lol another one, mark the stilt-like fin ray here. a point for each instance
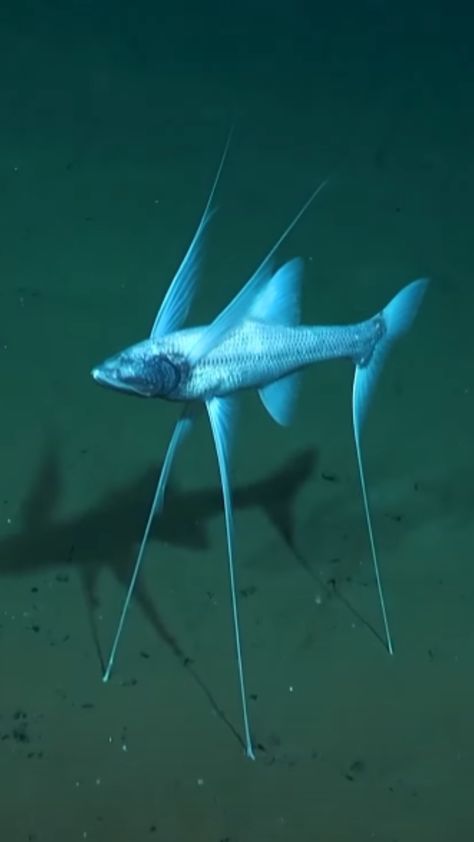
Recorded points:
(181, 429)
(397, 317)
(221, 414)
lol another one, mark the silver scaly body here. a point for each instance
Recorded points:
(251, 356)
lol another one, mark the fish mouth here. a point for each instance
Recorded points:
(100, 375)
(109, 378)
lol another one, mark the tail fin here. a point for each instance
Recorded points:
(398, 317)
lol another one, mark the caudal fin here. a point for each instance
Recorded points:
(398, 317)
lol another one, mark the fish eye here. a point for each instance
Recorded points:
(155, 376)
(165, 372)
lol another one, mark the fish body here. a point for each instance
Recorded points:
(251, 356)
(256, 342)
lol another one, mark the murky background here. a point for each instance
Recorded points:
(113, 120)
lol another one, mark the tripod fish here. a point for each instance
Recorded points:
(257, 342)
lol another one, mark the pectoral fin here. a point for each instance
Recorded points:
(177, 301)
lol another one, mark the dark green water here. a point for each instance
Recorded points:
(113, 120)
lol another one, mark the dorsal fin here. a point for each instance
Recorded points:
(279, 301)
(240, 307)
(235, 313)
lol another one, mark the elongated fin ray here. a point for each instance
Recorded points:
(181, 429)
(230, 317)
(241, 305)
(221, 416)
(398, 317)
(373, 549)
(178, 299)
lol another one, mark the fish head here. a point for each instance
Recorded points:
(144, 370)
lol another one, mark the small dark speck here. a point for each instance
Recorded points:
(245, 592)
(20, 735)
(144, 654)
(416, 486)
(396, 518)
(19, 714)
(398, 210)
(34, 589)
(87, 705)
(63, 639)
(430, 654)
(254, 697)
(356, 768)
(62, 577)
(35, 629)
(130, 682)
(224, 839)
(152, 828)
(329, 477)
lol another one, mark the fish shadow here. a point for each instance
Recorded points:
(106, 535)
